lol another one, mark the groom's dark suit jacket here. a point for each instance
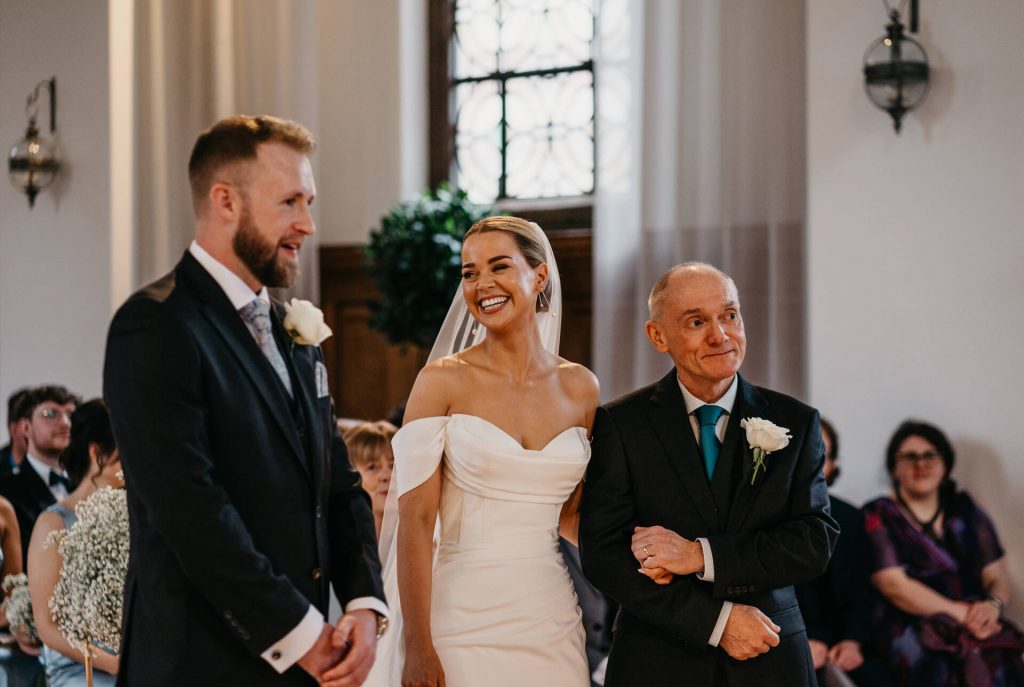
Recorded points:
(646, 469)
(242, 504)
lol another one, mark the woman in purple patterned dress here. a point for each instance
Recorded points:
(939, 567)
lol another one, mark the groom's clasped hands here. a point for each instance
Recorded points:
(342, 655)
(662, 554)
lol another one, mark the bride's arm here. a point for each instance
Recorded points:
(582, 386)
(417, 517)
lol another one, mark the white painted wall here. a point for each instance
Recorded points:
(915, 250)
(55, 260)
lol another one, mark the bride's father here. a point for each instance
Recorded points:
(696, 540)
(243, 507)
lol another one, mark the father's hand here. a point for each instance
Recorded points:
(322, 655)
(748, 633)
(356, 634)
(657, 547)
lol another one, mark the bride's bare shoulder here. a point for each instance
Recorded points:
(435, 388)
(579, 382)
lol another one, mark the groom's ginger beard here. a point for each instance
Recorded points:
(261, 256)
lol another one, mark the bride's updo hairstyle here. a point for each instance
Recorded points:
(527, 240)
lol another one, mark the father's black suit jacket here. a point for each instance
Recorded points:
(242, 504)
(646, 469)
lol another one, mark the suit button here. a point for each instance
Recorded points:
(319, 512)
(275, 655)
(317, 573)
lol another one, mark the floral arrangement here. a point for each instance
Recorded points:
(18, 605)
(86, 603)
(764, 437)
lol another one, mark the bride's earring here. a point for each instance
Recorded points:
(543, 304)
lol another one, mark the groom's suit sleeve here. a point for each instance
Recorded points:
(683, 609)
(153, 385)
(794, 551)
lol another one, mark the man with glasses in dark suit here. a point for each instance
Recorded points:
(45, 421)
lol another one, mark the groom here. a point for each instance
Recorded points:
(700, 551)
(243, 507)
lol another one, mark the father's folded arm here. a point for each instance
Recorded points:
(683, 609)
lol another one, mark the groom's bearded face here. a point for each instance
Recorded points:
(261, 255)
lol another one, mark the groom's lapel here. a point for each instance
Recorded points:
(217, 309)
(749, 403)
(671, 424)
(300, 362)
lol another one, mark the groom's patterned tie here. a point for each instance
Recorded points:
(707, 417)
(257, 317)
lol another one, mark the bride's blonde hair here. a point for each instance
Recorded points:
(525, 234)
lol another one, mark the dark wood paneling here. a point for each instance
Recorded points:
(369, 376)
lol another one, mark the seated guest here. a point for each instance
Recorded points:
(46, 423)
(13, 452)
(369, 450)
(939, 567)
(91, 459)
(835, 606)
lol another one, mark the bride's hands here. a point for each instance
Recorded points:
(662, 549)
(422, 669)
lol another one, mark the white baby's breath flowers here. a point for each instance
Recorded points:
(764, 437)
(304, 322)
(86, 603)
(18, 605)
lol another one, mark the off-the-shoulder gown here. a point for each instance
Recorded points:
(503, 610)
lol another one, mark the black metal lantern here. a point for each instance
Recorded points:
(896, 69)
(33, 162)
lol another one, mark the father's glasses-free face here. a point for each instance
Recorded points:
(928, 458)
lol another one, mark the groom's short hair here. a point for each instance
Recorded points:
(237, 139)
(657, 298)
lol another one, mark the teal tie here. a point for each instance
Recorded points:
(707, 416)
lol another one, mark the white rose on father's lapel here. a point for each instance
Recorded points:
(765, 435)
(304, 322)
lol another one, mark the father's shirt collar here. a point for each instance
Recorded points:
(236, 290)
(727, 401)
(44, 470)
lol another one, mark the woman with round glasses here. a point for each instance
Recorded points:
(939, 567)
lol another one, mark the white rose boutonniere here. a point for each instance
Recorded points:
(764, 437)
(304, 322)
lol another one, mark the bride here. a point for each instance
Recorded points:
(494, 447)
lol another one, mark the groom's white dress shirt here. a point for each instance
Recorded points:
(285, 652)
(726, 402)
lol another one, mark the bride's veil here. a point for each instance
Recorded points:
(458, 332)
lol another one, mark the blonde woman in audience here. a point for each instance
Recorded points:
(369, 451)
(92, 462)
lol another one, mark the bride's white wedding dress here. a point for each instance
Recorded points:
(503, 609)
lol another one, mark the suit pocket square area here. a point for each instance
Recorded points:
(321, 379)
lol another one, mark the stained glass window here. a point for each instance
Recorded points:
(522, 98)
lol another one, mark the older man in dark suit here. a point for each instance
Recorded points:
(697, 528)
(243, 507)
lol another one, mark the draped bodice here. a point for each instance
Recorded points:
(494, 492)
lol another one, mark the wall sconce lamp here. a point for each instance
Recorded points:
(33, 163)
(896, 68)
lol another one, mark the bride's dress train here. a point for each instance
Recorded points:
(503, 609)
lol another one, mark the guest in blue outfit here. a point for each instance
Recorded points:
(92, 462)
(940, 569)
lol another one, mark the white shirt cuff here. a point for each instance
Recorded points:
(370, 602)
(709, 564)
(284, 653)
(723, 618)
